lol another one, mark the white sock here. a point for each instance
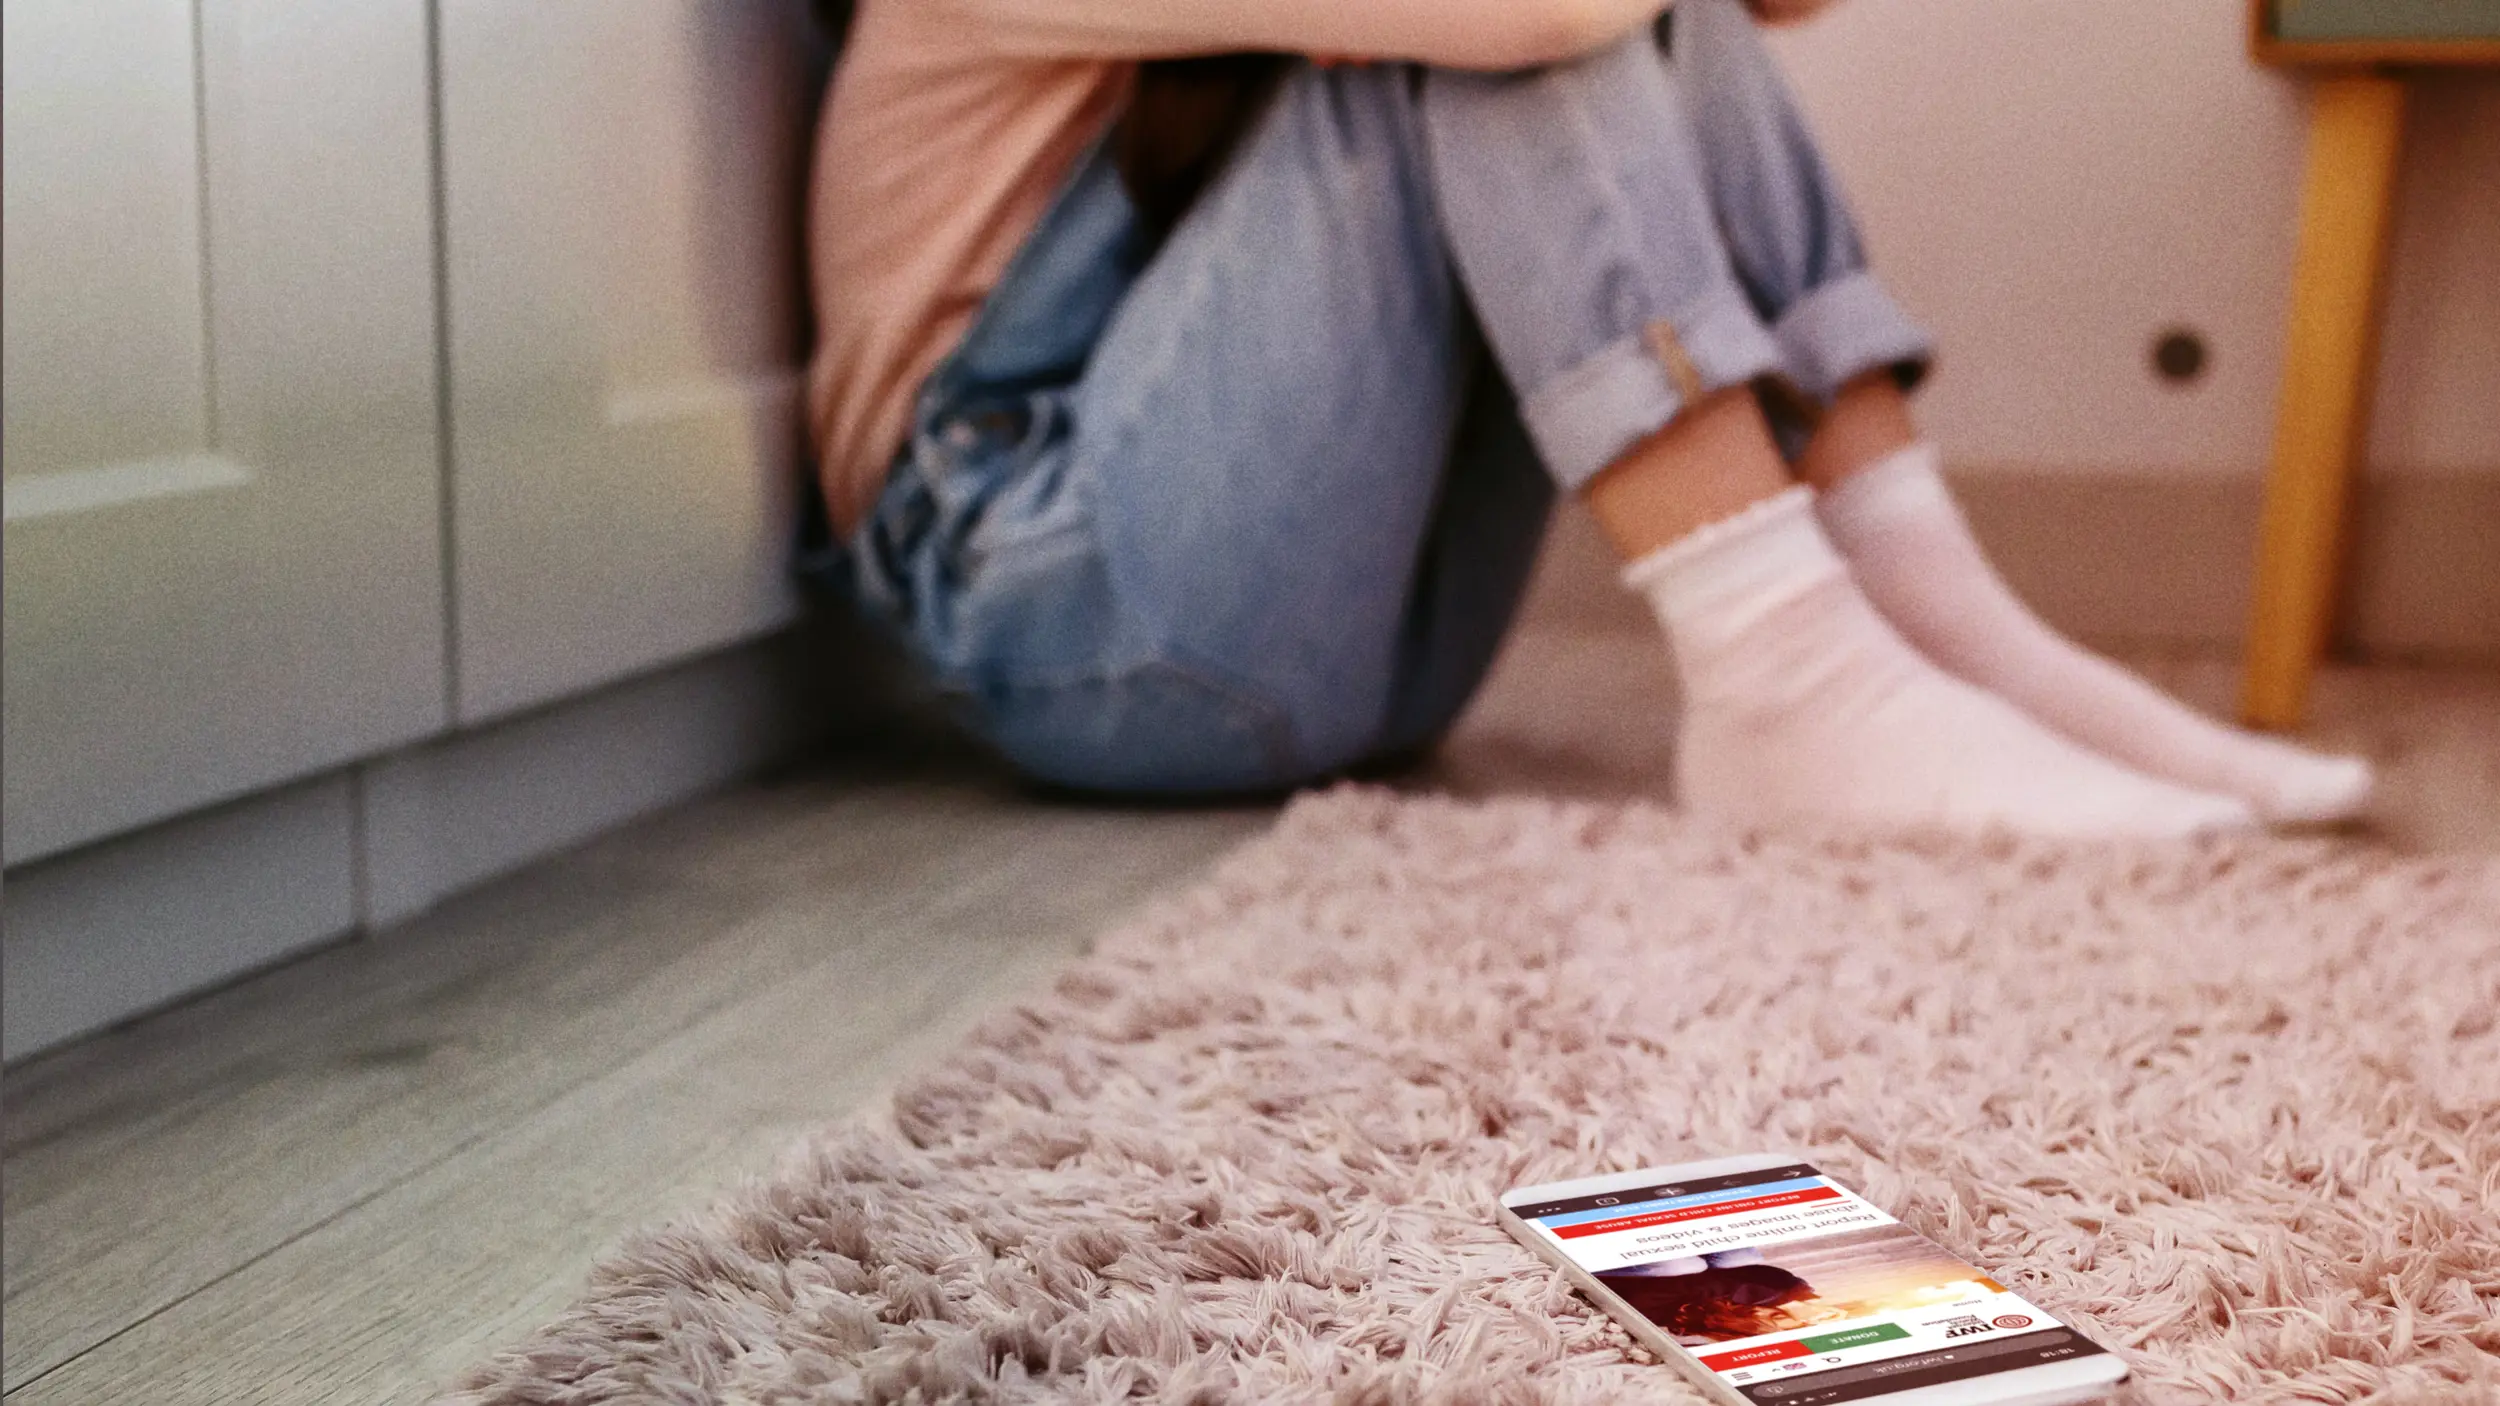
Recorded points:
(1801, 705)
(1913, 554)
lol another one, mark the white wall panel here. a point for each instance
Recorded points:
(104, 340)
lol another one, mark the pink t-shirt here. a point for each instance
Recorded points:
(952, 123)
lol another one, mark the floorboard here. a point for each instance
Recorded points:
(223, 1131)
(505, 1226)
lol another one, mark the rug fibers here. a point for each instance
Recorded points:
(2233, 1109)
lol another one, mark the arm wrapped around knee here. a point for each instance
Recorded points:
(1786, 11)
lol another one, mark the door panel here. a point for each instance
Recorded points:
(105, 345)
(622, 206)
(223, 500)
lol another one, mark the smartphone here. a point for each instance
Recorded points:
(1768, 1283)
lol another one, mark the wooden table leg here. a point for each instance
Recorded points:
(2356, 134)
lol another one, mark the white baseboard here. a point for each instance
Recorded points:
(2165, 558)
(124, 926)
(450, 815)
(115, 929)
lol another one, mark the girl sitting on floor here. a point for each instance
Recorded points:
(1191, 401)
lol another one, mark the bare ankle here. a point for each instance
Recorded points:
(1708, 464)
(1869, 421)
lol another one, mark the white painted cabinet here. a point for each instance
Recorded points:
(223, 497)
(622, 183)
(252, 533)
(378, 370)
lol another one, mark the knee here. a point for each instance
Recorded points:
(1719, 43)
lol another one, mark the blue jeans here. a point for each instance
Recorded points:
(1259, 506)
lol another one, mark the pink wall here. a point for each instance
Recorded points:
(2049, 183)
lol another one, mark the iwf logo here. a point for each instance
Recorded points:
(1970, 1326)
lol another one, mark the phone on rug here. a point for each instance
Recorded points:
(1768, 1283)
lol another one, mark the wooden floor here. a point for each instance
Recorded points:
(345, 1179)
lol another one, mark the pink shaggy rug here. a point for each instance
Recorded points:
(2235, 1110)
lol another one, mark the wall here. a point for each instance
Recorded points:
(2050, 183)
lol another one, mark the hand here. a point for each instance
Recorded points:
(1785, 11)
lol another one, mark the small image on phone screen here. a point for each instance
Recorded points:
(1795, 1291)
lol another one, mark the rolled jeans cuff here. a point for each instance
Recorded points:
(1844, 329)
(1586, 417)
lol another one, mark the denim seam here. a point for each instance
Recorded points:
(1580, 433)
(1269, 722)
(1844, 328)
(1681, 373)
(1265, 720)
(1623, 216)
(1553, 413)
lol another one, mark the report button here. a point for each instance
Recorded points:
(1750, 1356)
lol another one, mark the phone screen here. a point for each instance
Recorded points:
(1796, 1291)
